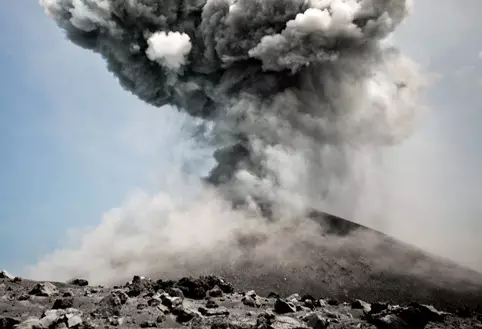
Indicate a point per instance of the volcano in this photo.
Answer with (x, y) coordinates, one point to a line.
(351, 261)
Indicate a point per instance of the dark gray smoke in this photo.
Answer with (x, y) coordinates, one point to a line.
(280, 83)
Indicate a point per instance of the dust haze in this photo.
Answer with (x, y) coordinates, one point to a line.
(299, 99)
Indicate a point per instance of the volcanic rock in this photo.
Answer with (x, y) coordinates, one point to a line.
(44, 289)
(185, 315)
(63, 303)
(215, 292)
(79, 282)
(8, 323)
(316, 321)
(282, 306)
(6, 275)
(148, 324)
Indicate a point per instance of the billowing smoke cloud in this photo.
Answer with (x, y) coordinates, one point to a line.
(296, 96)
(266, 74)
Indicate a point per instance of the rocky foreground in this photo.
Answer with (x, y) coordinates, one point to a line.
(206, 302)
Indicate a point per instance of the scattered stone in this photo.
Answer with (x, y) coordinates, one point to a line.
(141, 306)
(32, 323)
(72, 320)
(213, 312)
(273, 295)
(211, 304)
(378, 307)
(361, 305)
(316, 321)
(215, 292)
(251, 301)
(309, 304)
(171, 302)
(79, 282)
(148, 324)
(112, 303)
(6, 275)
(44, 289)
(115, 321)
(186, 315)
(153, 302)
(139, 285)
(23, 297)
(8, 323)
(163, 308)
(322, 303)
(282, 306)
(175, 292)
(294, 298)
(63, 303)
(161, 318)
(68, 293)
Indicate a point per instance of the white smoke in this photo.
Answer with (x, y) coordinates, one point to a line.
(169, 49)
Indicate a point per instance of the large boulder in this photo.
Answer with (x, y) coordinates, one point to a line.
(44, 289)
(8, 323)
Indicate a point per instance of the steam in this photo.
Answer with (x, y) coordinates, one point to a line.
(298, 97)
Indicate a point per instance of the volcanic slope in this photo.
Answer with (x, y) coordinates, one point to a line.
(336, 258)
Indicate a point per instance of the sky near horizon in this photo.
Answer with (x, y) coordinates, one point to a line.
(73, 144)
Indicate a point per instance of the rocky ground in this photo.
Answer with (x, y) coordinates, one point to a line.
(206, 302)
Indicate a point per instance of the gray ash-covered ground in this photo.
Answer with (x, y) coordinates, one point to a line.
(206, 302)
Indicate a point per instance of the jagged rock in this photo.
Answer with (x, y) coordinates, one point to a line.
(197, 288)
(163, 308)
(265, 320)
(333, 302)
(79, 282)
(414, 316)
(175, 292)
(17, 279)
(215, 292)
(141, 306)
(71, 320)
(378, 307)
(148, 324)
(6, 275)
(161, 318)
(112, 303)
(23, 297)
(282, 306)
(230, 325)
(115, 321)
(211, 304)
(273, 295)
(8, 323)
(294, 298)
(44, 289)
(31, 323)
(171, 302)
(63, 303)
(139, 285)
(316, 321)
(213, 312)
(361, 305)
(250, 301)
(68, 293)
(309, 304)
(153, 302)
(186, 315)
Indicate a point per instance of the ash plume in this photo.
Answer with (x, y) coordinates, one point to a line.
(291, 76)
(297, 97)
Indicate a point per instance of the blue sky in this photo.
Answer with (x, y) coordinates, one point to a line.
(73, 144)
